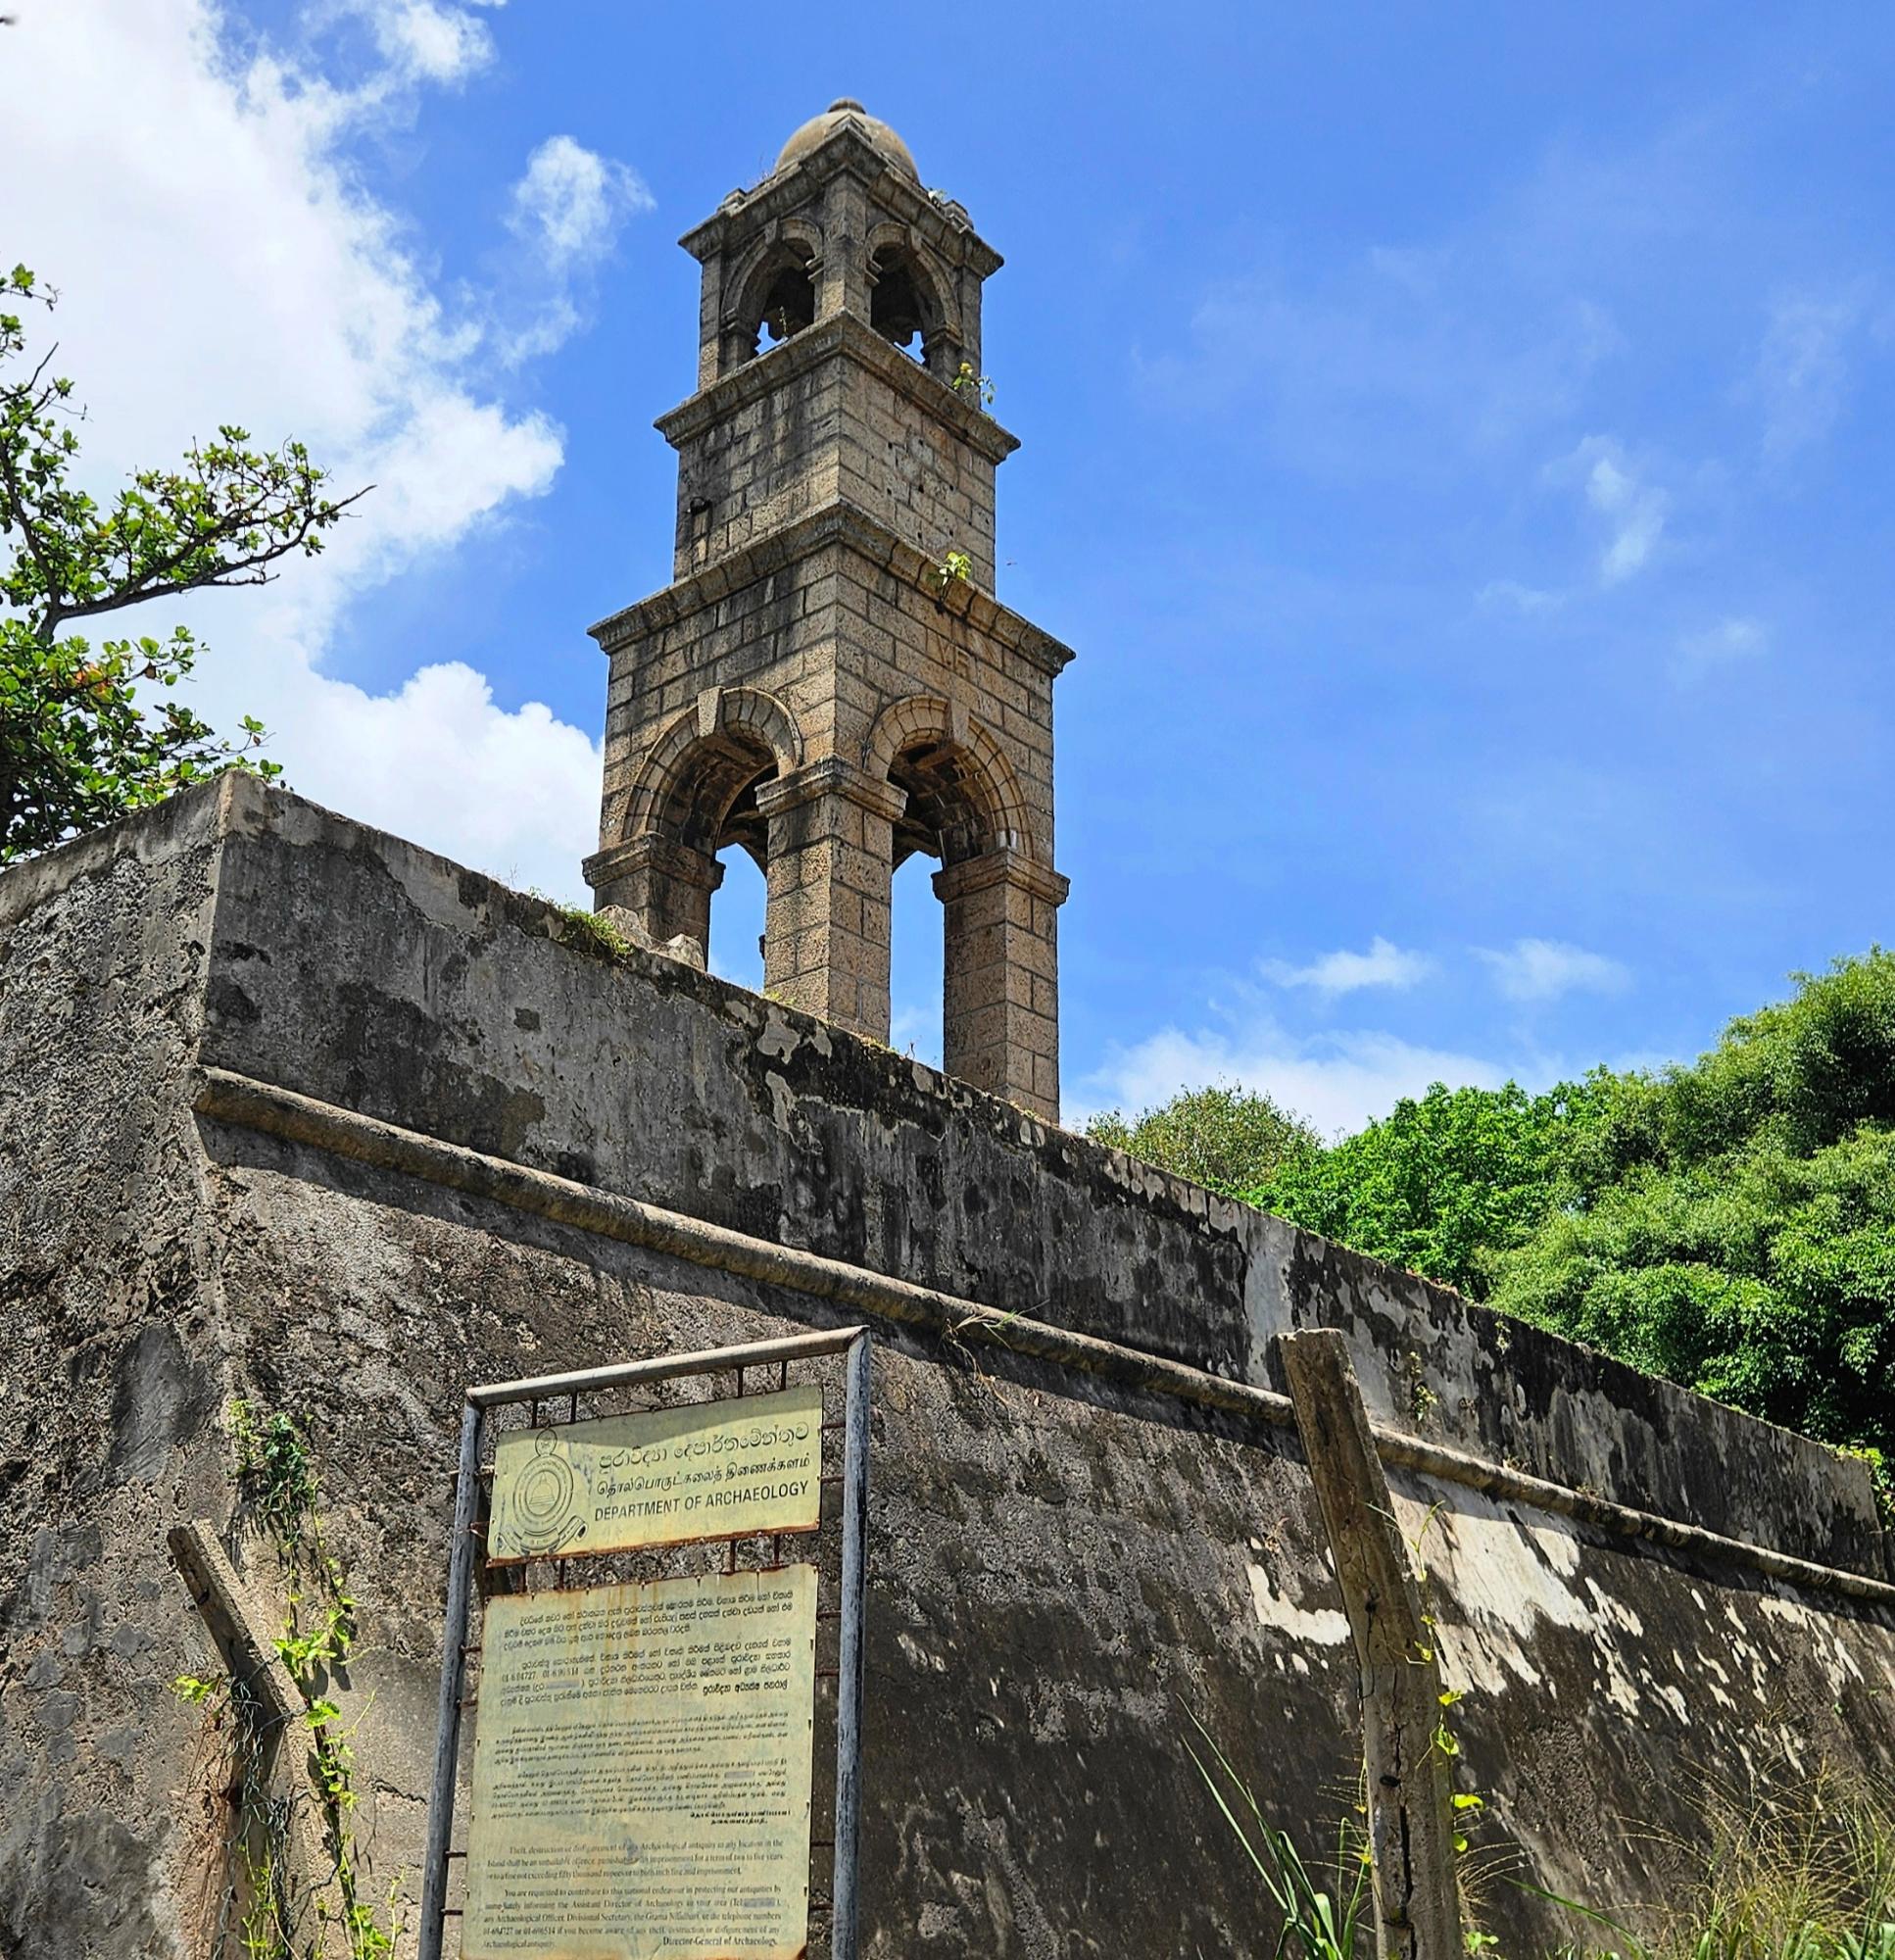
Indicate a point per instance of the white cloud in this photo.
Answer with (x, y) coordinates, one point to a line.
(1529, 599)
(1337, 1081)
(1635, 511)
(1727, 643)
(1543, 969)
(1384, 966)
(567, 210)
(421, 40)
(440, 758)
(253, 279)
(571, 201)
(1802, 371)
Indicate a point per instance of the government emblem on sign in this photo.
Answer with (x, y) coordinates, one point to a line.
(547, 1512)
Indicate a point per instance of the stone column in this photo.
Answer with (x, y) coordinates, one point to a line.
(664, 886)
(842, 279)
(1001, 997)
(831, 860)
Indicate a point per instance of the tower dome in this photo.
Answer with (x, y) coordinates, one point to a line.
(845, 109)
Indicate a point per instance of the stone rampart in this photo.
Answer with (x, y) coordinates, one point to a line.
(297, 1111)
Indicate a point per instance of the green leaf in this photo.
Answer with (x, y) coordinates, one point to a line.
(79, 742)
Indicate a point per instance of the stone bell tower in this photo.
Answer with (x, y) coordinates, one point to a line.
(828, 681)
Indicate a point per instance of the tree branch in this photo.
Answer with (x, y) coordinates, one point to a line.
(48, 624)
(151, 581)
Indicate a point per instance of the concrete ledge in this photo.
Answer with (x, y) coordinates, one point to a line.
(226, 1098)
(837, 524)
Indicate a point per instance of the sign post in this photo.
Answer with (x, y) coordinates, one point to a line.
(642, 1767)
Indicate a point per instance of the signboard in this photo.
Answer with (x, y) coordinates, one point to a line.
(724, 1469)
(641, 1770)
(642, 1761)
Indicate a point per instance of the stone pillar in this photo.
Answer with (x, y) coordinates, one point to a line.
(831, 860)
(710, 318)
(842, 279)
(1000, 997)
(664, 886)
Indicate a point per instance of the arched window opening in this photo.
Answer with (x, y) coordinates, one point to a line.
(710, 809)
(895, 309)
(713, 800)
(790, 303)
(948, 818)
(917, 957)
(946, 815)
(737, 915)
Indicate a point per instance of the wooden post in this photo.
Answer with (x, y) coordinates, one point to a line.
(248, 1652)
(1411, 1819)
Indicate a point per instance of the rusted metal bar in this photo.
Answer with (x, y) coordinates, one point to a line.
(848, 1683)
(1411, 1819)
(662, 1368)
(447, 1745)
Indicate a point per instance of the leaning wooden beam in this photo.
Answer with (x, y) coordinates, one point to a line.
(1411, 1824)
(249, 1651)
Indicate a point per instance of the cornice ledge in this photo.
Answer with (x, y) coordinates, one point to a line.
(843, 523)
(841, 333)
(981, 610)
(746, 566)
(1004, 864)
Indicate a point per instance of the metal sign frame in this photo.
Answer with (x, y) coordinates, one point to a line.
(852, 1344)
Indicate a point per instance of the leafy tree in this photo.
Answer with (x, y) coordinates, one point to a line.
(77, 748)
(1221, 1137)
(1728, 1224)
(1732, 1224)
(1443, 1182)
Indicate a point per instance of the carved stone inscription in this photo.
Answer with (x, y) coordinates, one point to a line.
(642, 1765)
(726, 1469)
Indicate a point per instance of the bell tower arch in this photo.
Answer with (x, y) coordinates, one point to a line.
(829, 681)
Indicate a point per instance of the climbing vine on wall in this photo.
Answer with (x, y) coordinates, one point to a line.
(269, 1909)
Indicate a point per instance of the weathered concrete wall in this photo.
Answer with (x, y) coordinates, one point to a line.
(114, 1374)
(1061, 1568)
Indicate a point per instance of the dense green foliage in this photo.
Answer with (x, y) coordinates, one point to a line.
(1729, 1224)
(1219, 1137)
(77, 743)
(1439, 1182)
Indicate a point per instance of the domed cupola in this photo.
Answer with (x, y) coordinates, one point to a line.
(845, 109)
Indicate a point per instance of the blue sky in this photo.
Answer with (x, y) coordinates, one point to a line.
(1456, 443)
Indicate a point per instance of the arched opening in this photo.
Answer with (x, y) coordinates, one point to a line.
(962, 809)
(775, 300)
(695, 798)
(947, 815)
(707, 805)
(900, 305)
(736, 917)
(916, 961)
(711, 798)
(790, 300)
